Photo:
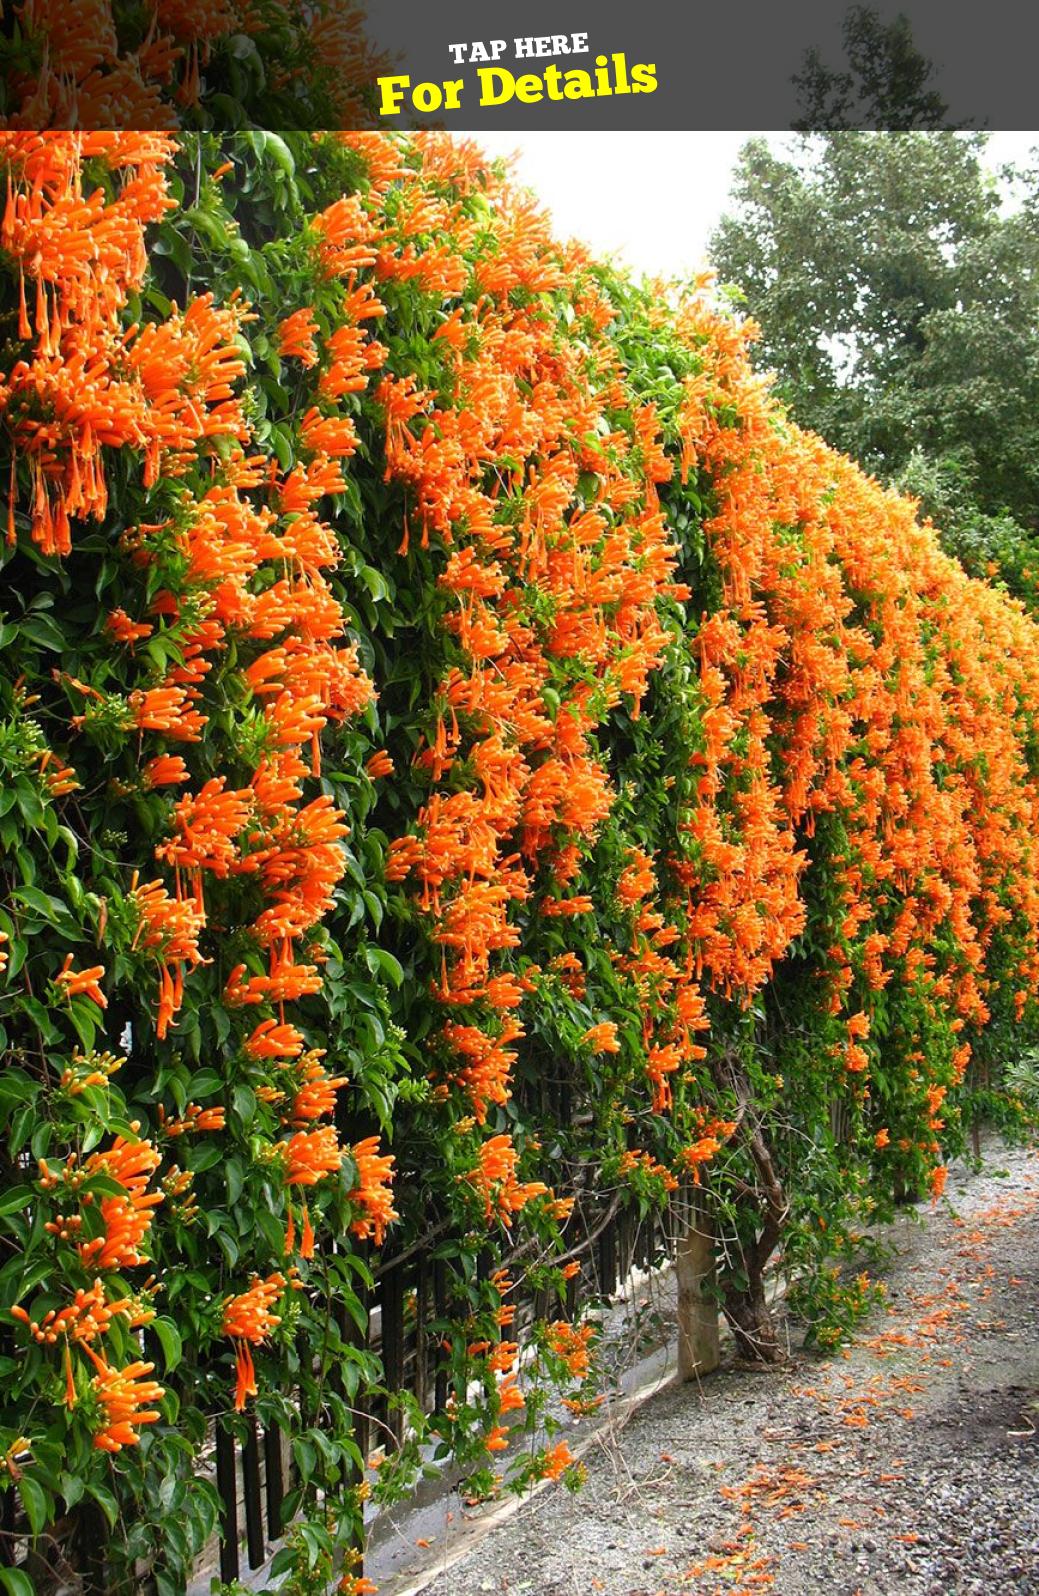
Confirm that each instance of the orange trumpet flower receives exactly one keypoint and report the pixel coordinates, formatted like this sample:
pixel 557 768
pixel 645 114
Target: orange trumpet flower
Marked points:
pixel 123 1396
pixel 74 982
pixel 248 1320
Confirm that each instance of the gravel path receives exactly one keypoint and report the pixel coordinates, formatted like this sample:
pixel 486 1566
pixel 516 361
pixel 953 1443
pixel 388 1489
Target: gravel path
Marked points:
pixel 905 1465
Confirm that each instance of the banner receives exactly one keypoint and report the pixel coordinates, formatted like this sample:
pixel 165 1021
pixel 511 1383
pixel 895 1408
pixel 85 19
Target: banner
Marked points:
pixel 665 64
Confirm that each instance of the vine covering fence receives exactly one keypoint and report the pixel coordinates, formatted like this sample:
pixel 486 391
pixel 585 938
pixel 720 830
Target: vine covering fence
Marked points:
pixel 471 768
pixel 409 1303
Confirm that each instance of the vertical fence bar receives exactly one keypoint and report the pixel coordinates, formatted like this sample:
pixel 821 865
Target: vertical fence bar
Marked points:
pixel 7 1498
pixel 608 1259
pixel 227 1487
pixel 91 1539
pixel 251 1490
pixel 274 1481
pixel 363 1340
pixel 353 1335
pixel 392 1302
pixel 645 1243
pixel 625 1239
pixel 421 1333
pixel 7 1529
pixel 440 1306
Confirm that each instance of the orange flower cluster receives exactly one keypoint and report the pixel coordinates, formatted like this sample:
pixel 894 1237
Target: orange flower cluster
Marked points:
pixel 167 390
pixel 246 557
pixel 169 928
pixel 310 1157
pixel 901 694
pixel 195 1120
pixel 602 1038
pixel 83 1322
pixel 248 1320
pixel 494 1180
pixel 851 682
pixel 631 1160
pixel 357 1585
pixel 572 1343
pixel 86 1317
pixel 372 1193
pixel 296 337
pixel 128 1218
pixel 707 1145
pixel 601 560
pixel 74 982
pixel 315 1090
pixel 556 1461
pixel 87 385
pixel 123 1396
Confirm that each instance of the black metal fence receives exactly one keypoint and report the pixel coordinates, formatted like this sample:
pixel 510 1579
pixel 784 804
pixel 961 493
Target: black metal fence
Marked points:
pixel 412 1296
pixel 412 1293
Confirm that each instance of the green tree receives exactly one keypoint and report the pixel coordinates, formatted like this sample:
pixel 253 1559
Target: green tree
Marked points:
pixel 897 293
pixel 886 84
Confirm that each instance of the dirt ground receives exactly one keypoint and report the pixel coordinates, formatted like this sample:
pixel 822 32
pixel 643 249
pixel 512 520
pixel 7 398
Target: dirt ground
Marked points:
pixel 903 1465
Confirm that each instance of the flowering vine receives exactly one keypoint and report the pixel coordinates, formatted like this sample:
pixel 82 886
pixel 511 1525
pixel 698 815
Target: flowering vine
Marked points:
pixel 470 764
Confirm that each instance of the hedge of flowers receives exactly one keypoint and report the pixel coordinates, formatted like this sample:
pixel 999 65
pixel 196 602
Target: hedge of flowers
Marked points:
pixel 463 751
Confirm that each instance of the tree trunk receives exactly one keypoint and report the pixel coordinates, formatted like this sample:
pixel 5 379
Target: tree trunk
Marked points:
pixel 746 1307
pixel 750 1319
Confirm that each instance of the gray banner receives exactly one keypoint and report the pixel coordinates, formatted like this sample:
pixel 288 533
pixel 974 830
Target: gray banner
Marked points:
pixel 549 64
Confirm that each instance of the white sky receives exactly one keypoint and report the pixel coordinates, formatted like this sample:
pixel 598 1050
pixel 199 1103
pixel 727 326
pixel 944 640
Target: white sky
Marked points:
pixel 651 199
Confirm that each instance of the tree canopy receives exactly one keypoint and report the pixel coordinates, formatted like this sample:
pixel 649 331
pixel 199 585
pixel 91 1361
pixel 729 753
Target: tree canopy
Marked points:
pixel 887 83
pixel 894 280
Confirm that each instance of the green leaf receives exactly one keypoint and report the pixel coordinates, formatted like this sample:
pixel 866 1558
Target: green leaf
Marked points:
pixel 13 1201
pixel 44 632
pixel 16 1583
pixel 381 962
pixel 170 1341
pixel 228 1246
pixel 22 1122
pixel 212 228
pixel 305 1456
pixel 51 908
pixel 235 1177
pixel 105 1501
pixel 244 1099
pixel 204 1156
pixel 36 1502
pixel 84 1016
pixel 375 582
pixel 17 1086
pixel 72 1488
pixel 30 803
pixel 204 1083
pixel 283 1560
pixel 104 1186
pixel 283 156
